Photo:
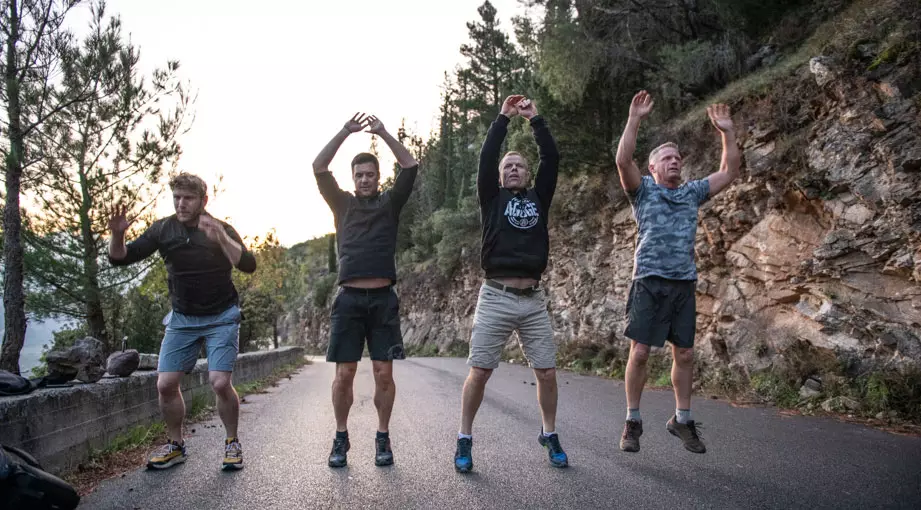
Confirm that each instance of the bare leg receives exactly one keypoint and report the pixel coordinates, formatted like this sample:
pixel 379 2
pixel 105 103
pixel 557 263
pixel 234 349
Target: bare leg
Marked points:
pixel 547 396
pixel 342 393
pixel 385 392
pixel 636 373
pixel 472 397
pixel 682 376
pixel 228 402
pixel 172 407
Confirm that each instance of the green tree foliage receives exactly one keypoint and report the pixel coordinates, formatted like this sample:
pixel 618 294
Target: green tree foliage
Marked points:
pixel 145 306
pixel 114 146
pixel 32 39
pixel 262 294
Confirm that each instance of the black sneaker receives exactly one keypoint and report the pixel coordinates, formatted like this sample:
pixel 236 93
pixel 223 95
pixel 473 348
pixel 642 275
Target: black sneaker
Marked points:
pixel 630 440
pixel 384 456
pixel 688 434
pixel 557 456
pixel 463 457
pixel 337 457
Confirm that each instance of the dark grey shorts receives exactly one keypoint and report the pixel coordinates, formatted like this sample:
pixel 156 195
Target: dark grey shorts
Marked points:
pixel 659 309
pixel 360 315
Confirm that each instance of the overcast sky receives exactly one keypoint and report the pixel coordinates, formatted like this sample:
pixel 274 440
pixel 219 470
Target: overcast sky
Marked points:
pixel 277 79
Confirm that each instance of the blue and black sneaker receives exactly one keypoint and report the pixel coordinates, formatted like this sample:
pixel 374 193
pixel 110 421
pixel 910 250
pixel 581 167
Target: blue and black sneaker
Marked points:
pixel 338 457
pixel 557 456
pixel 463 458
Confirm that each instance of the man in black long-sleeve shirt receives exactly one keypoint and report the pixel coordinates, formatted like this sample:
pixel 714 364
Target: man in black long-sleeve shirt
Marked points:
pixel 200 252
pixel 515 248
pixel 366 307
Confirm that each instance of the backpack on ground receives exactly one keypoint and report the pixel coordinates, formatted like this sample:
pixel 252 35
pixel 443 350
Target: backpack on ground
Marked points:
pixel 24 484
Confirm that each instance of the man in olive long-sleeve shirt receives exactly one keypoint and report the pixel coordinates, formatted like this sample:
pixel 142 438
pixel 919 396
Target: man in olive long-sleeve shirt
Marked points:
pixel 200 252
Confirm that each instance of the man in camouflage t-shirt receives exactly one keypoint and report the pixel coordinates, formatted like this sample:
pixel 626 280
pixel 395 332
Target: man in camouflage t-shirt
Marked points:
pixel 661 305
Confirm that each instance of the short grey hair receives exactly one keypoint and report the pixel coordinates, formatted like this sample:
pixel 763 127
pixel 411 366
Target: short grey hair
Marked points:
pixel 655 152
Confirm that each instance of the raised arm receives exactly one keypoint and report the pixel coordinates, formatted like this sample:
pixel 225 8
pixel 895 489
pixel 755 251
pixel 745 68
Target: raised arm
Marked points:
pixel 548 168
pixel 404 158
pixel 487 180
pixel 329 188
pixel 121 254
pixel 721 118
pixel 355 124
pixel 630 176
pixel 403 184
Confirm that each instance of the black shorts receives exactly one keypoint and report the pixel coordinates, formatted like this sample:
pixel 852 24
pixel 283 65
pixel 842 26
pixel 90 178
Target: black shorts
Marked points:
pixel 365 314
pixel 659 309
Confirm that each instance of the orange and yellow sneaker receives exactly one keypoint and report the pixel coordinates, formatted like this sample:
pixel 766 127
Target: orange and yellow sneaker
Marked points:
pixel 233 454
pixel 166 456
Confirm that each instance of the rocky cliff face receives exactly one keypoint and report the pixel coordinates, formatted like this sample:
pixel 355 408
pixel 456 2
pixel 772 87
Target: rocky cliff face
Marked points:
pixel 810 261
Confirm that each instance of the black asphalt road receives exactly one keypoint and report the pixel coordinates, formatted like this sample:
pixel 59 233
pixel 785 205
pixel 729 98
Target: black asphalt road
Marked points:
pixel 757 458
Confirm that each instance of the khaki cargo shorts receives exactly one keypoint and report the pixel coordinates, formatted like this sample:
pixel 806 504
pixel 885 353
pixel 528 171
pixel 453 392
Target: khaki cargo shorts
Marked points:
pixel 498 314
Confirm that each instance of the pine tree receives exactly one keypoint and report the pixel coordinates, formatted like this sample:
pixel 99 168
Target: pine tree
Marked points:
pixel 32 34
pixel 114 146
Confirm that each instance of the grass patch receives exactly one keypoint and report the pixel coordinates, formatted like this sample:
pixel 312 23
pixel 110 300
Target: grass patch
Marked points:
pixel 893 53
pixel 664 379
pixel 262 385
pixel 422 351
pixel 843 27
pixel 775 389
pixel 889 391
pixel 140 436
pixel 455 349
pixel 199 408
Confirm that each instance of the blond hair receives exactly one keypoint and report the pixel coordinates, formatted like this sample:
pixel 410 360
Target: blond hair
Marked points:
pixel 514 153
pixel 189 182
pixel 655 152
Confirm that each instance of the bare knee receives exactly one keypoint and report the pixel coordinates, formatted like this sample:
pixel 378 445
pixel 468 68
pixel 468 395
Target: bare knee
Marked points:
pixel 479 376
pixel 221 382
pixel 168 384
pixel 639 354
pixel 383 374
pixel 545 375
pixel 683 357
pixel 345 373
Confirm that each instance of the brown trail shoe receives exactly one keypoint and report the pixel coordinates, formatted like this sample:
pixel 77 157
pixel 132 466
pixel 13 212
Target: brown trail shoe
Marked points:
pixel 688 434
pixel 630 440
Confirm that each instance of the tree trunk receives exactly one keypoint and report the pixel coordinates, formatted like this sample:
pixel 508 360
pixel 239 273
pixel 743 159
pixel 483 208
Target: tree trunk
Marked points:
pixel 275 333
pixel 14 328
pixel 95 317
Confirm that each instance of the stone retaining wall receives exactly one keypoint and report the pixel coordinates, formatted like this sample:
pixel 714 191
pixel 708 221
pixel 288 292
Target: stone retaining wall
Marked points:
pixel 61 427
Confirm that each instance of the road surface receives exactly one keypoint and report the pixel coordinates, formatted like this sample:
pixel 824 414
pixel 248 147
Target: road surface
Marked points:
pixel 756 458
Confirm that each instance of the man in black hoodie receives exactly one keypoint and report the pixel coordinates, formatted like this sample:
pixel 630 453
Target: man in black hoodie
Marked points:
pixel 366 307
pixel 515 248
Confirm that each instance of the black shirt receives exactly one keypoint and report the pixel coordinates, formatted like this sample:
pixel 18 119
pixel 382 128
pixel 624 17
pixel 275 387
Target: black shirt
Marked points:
pixel 198 271
pixel 515 238
pixel 366 227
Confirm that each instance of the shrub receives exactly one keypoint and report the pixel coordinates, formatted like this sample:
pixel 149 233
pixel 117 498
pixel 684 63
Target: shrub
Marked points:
pixel 323 288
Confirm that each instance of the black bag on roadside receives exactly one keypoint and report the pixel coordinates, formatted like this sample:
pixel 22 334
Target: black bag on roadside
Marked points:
pixel 24 485
pixel 12 384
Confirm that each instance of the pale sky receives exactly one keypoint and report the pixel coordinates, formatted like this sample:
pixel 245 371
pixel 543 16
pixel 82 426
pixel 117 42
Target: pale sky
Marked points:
pixel 276 80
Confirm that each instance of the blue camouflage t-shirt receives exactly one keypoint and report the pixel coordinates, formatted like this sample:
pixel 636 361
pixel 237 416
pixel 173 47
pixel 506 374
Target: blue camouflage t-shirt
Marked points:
pixel 667 222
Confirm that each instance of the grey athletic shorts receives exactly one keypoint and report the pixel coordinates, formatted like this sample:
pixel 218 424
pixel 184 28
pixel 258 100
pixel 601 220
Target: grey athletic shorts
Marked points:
pixel 498 314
